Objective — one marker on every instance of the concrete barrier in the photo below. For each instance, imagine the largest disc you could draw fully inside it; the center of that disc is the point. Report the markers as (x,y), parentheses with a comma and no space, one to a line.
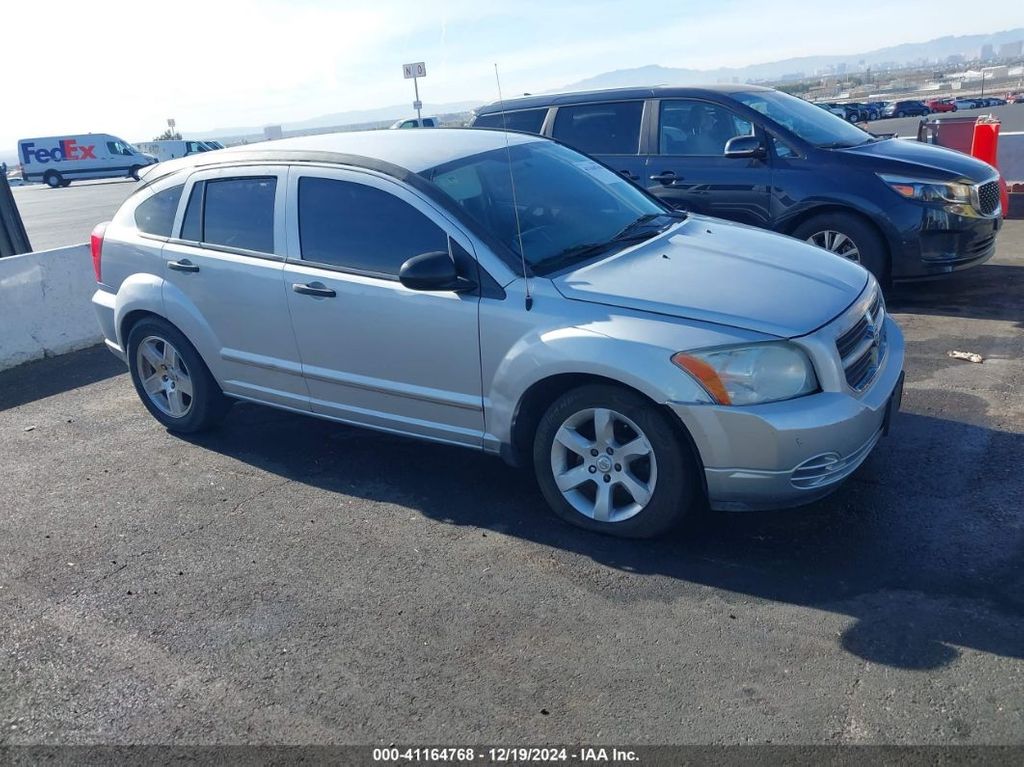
(45,306)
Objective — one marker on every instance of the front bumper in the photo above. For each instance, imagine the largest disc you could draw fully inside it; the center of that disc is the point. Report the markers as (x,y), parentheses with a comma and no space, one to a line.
(938,242)
(790,453)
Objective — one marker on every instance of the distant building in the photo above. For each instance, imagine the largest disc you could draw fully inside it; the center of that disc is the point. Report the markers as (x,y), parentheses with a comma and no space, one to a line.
(987,53)
(1011,50)
(272,132)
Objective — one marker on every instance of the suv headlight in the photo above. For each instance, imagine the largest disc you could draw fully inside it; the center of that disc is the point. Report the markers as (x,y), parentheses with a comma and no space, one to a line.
(929,191)
(749,375)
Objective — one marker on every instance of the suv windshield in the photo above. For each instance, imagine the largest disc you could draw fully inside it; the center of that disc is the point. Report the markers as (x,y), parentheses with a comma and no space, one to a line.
(811,123)
(569,207)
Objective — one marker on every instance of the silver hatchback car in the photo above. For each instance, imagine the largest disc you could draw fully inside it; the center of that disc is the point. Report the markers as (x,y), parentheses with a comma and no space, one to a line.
(505,293)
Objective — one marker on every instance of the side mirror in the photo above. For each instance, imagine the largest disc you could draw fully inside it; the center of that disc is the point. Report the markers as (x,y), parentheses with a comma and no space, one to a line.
(433,271)
(740,147)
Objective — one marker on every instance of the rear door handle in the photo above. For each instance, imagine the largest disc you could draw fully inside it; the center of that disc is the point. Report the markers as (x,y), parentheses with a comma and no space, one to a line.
(182,266)
(317,289)
(667,177)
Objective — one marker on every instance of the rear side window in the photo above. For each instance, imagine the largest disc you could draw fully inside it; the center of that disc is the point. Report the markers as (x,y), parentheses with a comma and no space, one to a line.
(529,120)
(361,228)
(233,212)
(601,128)
(156,215)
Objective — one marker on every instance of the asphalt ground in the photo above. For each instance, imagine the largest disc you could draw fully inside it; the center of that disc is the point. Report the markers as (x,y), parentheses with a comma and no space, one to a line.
(55,218)
(288,580)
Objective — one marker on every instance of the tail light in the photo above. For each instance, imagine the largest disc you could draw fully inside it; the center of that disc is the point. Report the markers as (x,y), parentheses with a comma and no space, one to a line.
(96,242)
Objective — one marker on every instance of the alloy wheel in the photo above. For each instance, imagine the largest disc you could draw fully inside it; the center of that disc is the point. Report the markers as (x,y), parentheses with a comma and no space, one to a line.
(837,243)
(603,465)
(164,376)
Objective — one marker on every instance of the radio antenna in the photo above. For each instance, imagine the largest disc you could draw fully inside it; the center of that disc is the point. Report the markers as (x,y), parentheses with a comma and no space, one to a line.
(515,202)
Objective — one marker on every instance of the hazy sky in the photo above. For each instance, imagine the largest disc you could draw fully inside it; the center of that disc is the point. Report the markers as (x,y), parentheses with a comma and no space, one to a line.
(124,67)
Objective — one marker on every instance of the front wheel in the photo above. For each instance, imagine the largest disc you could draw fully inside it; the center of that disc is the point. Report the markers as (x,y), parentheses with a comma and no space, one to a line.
(134,172)
(608,460)
(849,236)
(171,378)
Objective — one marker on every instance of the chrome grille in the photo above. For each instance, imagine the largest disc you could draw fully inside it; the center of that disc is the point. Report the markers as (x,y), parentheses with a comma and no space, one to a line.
(988,197)
(862,347)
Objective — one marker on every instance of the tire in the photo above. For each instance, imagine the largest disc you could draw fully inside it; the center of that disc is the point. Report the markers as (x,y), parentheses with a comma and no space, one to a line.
(203,407)
(52,179)
(134,172)
(65,183)
(901,114)
(872,252)
(667,471)
(955,107)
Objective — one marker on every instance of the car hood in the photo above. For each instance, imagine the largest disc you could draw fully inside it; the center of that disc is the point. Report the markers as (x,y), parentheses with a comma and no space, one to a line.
(709,270)
(926,159)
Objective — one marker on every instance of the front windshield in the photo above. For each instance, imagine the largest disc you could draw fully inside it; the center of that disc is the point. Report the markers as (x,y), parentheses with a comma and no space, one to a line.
(810,122)
(567,203)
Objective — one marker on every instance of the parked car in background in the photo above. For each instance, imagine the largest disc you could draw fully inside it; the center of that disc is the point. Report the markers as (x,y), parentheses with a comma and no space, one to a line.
(413,122)
(962,103)
(905,109)
(941,105)
(863,112)
(762,157)
(643,361)
(835,109)
(59,160)
(995,101)
(1018,99)
(170,149)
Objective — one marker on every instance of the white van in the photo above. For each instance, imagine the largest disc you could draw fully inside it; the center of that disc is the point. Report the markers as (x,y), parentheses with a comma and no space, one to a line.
(59,160)
(171,149)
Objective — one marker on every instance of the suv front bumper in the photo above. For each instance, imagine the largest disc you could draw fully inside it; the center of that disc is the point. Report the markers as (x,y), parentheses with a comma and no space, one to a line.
(790,453)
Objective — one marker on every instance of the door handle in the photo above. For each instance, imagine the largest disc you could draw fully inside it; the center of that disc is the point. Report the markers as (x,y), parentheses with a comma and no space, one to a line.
(317,289)
(182,266)
(668,177)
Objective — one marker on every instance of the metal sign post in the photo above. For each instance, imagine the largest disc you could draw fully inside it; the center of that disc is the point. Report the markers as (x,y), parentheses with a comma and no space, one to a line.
(414,72)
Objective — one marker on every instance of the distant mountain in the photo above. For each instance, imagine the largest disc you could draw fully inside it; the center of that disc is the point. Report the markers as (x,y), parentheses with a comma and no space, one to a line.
(340,119)
(967,46)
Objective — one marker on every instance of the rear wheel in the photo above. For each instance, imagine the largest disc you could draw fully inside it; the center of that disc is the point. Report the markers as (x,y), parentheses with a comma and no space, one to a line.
(901,113)
(608,460)
(53,179)
(849,236)
(171,378)
(134,172)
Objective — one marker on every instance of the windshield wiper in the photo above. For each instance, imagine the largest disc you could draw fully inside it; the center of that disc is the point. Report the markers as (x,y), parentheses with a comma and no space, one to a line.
(570,255)
(630,233)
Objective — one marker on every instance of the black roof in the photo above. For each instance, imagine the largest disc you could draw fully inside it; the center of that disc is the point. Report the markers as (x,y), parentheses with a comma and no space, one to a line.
(618,94)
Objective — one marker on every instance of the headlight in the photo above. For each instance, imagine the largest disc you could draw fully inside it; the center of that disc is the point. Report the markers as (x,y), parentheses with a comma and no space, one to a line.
(929,191)
(748,375)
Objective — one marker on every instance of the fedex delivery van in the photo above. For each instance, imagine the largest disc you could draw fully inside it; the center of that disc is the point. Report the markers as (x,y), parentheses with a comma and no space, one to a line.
(59,160)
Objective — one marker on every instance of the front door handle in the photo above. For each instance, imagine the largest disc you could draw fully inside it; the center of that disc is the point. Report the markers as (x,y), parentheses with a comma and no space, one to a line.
(182,266)
(668,177)
(317,289)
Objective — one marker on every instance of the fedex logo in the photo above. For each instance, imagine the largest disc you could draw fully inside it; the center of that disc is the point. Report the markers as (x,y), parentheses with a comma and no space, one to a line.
(66,149)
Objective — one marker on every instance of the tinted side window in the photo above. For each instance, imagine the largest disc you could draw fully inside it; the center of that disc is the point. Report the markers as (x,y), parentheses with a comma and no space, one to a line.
(697,128)
(239,213)
(358,227)
(156,215)
(191,227)
(601,128)
(530,120)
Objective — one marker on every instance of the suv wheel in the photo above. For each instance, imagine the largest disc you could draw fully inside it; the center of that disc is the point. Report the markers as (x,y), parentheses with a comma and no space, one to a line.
(848,236)
(171,378)
(53,179)
(901,113)
(608,460)
(134,172)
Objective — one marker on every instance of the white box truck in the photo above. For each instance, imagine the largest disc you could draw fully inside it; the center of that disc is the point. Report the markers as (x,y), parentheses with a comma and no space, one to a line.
(169,149)
(59,160)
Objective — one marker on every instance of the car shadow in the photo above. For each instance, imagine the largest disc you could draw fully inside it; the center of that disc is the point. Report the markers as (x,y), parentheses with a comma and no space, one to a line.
(46,377)
(921,548)
(988,292)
